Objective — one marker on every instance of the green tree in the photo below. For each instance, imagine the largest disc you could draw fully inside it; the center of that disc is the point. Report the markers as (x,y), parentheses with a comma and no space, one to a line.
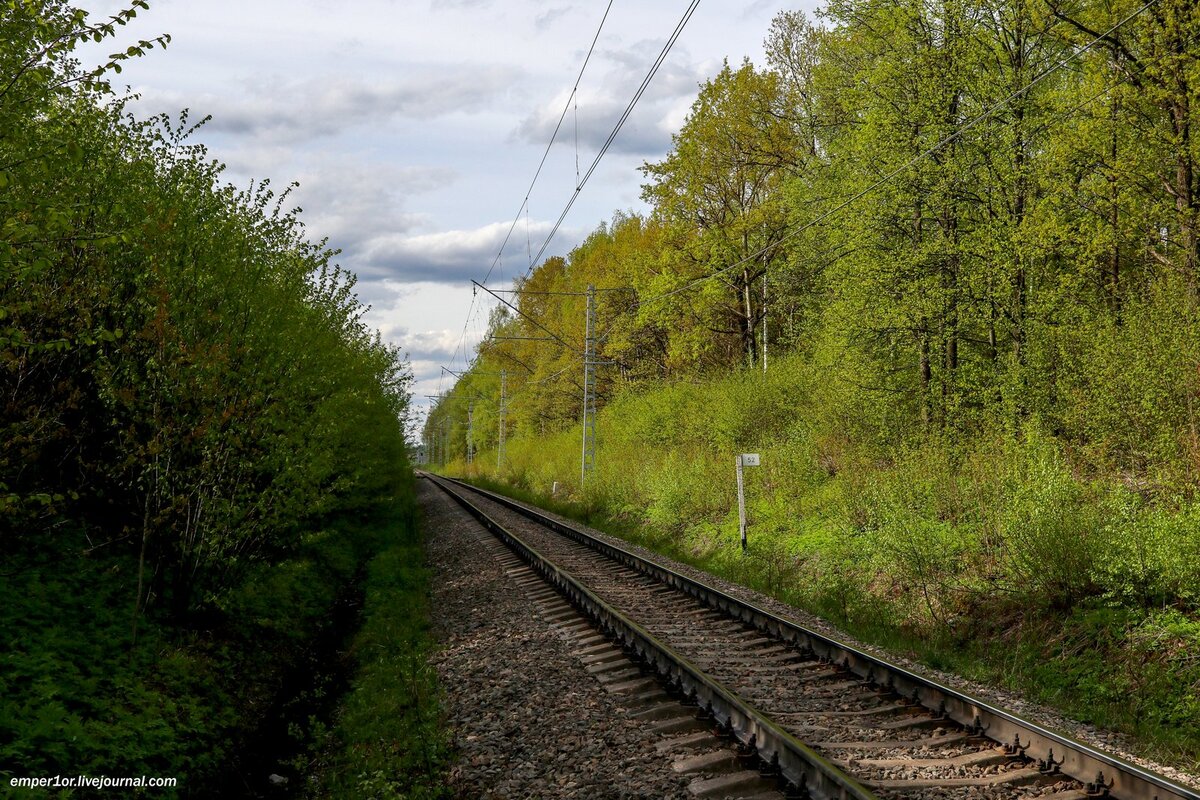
(718,190)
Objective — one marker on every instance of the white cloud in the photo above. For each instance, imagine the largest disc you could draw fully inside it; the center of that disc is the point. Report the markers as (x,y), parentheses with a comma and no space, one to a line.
(759,9)
(437,5)
(353,202)
(432,346)
(551,16)
(424,320)
(455,256)
(290,111)
(599,105)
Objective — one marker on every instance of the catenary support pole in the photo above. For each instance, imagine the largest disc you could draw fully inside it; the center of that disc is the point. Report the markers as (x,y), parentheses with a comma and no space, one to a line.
(588,460)
(471,431)
(503,412)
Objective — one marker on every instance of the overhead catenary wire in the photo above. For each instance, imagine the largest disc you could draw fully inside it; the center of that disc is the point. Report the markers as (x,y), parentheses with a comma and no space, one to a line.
(537,173)
(572,98)
(553,335)
(658,62)
(535,292)
(616,129)
(581,182)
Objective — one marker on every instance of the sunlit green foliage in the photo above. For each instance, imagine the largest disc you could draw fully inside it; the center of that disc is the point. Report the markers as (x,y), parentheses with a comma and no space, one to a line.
(966,234)
(994,548)
(188,394)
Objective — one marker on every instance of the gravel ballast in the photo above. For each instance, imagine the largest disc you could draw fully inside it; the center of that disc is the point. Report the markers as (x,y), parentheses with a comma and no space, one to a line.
(526,718)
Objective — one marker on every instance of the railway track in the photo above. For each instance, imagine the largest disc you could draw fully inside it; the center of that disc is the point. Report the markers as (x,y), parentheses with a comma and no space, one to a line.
(823,718)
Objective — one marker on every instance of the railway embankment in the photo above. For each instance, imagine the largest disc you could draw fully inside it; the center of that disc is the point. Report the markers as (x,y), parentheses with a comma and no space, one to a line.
(1065,668)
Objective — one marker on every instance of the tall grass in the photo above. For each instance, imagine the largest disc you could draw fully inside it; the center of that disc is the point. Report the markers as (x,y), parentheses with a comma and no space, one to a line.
(388,741)
(959,547)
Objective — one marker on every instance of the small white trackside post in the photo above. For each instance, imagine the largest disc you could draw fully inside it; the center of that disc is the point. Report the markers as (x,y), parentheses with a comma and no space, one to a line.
(744,460)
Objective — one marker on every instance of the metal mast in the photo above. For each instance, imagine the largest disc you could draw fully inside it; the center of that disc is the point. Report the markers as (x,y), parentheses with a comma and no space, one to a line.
(588,418)
(470,431)
(503,411)
(589,387)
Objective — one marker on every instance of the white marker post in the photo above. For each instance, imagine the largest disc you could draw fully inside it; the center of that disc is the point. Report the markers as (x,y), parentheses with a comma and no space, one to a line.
(744,460)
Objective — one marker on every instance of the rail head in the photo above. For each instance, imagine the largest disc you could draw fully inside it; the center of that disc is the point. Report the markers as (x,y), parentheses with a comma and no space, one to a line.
(800,766)
(1051,750)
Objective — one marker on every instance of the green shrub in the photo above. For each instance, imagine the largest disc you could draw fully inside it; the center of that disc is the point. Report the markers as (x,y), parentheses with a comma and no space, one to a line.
(1050,527)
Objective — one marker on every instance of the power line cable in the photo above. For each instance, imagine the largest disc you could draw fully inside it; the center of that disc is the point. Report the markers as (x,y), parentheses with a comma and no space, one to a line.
(566,107)
(658,62)
(537,173)
(683,21)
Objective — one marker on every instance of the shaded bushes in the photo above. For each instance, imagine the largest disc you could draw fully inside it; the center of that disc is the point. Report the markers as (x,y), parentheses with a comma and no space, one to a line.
(191,407)
(79,698)
(387,741)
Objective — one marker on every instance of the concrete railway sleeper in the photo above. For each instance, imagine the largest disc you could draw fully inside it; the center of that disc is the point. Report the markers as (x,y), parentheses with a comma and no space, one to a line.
(813,708)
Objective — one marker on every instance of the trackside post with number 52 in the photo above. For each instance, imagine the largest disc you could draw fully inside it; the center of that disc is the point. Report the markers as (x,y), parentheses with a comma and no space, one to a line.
(744,460)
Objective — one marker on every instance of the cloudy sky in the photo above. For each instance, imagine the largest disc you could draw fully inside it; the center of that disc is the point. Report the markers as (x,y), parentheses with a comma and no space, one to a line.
(414,127)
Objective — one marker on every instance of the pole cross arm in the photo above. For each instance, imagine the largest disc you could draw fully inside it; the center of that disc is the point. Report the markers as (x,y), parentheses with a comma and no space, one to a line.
(553,335)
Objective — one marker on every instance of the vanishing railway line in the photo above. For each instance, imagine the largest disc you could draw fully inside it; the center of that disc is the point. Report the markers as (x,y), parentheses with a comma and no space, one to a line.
(824,718)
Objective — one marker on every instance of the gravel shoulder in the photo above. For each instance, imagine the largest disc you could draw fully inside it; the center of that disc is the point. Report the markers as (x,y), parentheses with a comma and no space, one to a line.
(526,719)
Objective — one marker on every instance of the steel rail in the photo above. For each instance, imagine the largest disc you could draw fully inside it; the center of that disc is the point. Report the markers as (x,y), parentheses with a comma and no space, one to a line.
(806,772)
(1102,774)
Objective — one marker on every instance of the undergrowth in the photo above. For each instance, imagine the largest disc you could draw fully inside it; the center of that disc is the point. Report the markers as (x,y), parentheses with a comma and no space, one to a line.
(990,553)
(78,696)
(387,742)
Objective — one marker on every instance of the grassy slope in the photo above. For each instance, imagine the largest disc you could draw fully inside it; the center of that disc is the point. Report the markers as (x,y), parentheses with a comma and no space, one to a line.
(994,559)
(77,698)
(387,741)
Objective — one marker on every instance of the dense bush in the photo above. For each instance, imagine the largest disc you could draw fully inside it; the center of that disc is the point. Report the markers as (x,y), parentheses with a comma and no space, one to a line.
(192,412)
(182,368)
(79,698)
